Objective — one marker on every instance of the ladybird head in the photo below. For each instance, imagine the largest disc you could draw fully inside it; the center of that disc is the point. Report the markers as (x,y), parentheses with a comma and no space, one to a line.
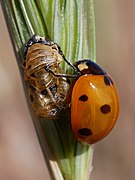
(88,67)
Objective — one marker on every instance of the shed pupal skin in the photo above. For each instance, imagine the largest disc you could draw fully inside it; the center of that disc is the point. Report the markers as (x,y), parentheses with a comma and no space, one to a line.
(48,84)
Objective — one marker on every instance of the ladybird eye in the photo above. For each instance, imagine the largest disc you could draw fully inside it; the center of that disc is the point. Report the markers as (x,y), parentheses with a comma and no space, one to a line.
(85,132)
(105,109)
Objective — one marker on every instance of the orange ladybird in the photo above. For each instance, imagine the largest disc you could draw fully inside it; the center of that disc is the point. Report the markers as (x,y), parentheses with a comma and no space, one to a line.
(95,103)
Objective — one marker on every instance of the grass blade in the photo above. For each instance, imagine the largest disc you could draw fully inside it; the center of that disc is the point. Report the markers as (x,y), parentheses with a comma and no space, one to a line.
(71,24)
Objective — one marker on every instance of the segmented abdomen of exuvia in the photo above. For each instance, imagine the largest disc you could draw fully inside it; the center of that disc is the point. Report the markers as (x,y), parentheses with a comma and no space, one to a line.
(39,56)
(47,92)
(49,102)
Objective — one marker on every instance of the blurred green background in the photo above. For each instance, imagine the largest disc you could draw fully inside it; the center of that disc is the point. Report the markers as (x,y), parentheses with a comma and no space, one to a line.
(20,154)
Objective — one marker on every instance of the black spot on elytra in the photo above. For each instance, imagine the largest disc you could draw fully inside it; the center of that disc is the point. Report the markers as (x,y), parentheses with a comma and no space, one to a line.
(105,109)
(44,92)
(31,98)
(83,98)
(85,132)
(108,81)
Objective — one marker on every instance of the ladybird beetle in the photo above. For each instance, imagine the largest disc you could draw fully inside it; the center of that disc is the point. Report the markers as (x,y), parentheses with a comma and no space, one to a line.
(48,86)
(94,104)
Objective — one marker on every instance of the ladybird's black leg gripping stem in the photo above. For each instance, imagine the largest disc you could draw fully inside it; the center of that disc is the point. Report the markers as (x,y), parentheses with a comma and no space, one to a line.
(74,68)
(61,53)
(47,68)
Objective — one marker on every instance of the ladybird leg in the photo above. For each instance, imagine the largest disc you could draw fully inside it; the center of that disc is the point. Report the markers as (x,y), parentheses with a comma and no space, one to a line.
(73,67)
(61,53)
(60,75)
